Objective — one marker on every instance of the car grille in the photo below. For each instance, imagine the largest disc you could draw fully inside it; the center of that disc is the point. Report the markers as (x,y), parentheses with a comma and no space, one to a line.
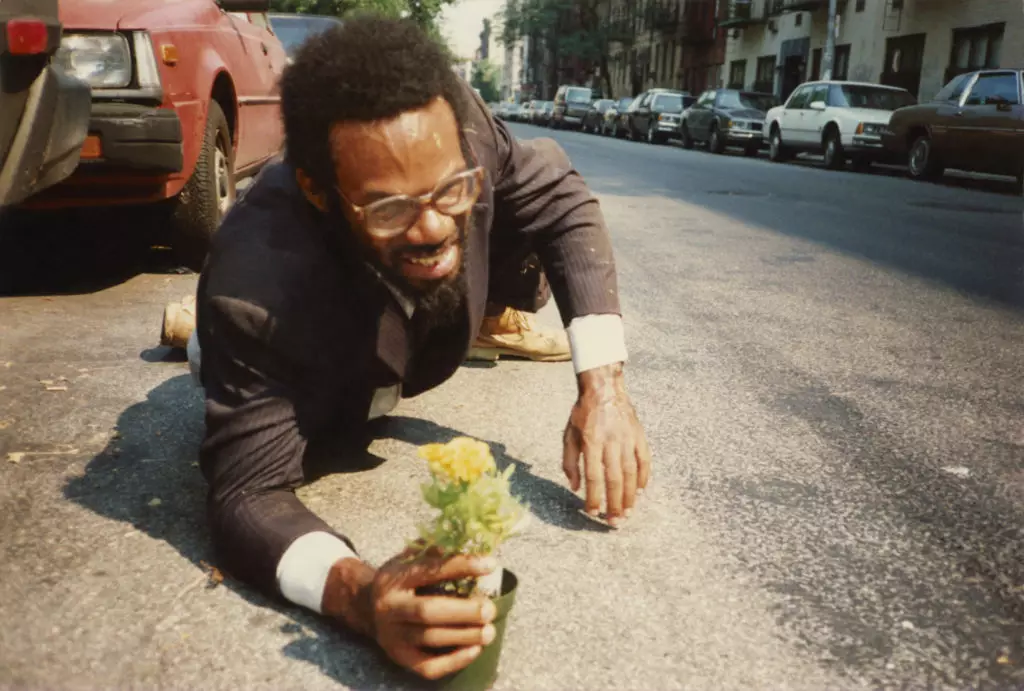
(757,126)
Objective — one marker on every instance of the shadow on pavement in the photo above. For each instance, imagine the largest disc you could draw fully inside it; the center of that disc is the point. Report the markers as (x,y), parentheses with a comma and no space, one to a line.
(153,456)
(78,250)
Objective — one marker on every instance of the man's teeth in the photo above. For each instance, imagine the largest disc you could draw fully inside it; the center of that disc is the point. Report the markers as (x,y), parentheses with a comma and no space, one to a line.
(429,260)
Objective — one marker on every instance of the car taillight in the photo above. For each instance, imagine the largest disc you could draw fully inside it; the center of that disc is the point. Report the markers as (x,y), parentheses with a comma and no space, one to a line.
(26,37)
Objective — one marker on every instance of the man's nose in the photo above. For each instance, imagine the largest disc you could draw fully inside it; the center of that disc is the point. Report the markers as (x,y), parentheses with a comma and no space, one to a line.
(431,228)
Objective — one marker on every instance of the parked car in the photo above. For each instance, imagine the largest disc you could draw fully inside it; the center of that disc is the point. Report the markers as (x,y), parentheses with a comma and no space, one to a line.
(727,117)
(526,112)
(185,102)
(294,29)
(44,114)
(571,104)
(542,115)
(613,117)
(593,119)
(656,114)
(975,123)
(839,119)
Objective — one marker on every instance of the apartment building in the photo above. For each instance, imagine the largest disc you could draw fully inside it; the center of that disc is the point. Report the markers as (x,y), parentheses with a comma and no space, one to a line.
(664,43)
(774,45)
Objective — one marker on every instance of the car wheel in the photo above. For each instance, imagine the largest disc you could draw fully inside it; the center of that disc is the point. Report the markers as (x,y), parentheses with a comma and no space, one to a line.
(685,136)
(197,211)
(750,151)
(923,164)
(776,149)
(716,144)
(652,137)
(835,159)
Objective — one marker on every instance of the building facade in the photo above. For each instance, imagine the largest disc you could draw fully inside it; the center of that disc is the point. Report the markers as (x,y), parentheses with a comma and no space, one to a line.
(774,45)
(673,44)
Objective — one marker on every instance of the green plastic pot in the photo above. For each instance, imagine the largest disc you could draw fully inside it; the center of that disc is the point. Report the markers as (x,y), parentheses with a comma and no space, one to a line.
(482,672)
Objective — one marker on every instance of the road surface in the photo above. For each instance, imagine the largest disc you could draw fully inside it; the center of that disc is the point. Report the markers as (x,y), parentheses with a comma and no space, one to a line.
(828,366)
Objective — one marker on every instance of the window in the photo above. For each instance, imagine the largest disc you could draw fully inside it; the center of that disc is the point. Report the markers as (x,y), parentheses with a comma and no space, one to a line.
(954,89)
(859,7)
(817,93)
(994,89)
(668,103)
(765,76)
(799,20)
(737,74)
(875,98)
(707,98)
(799,98)
(744,99)
(841,62)
(975,48)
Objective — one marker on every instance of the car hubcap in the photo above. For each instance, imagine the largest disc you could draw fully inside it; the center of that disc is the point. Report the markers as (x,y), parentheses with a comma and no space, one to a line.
(919,158)
(225,195)
(830,151)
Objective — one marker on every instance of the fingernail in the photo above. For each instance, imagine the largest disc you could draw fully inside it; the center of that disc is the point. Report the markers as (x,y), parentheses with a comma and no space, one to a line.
(489,633)
(488,611)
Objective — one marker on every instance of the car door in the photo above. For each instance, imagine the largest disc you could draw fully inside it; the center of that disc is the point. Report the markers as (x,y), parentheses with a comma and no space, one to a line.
(988,126)
(791,121)
(641,115)
(814,120)
(703,115)
(272,60)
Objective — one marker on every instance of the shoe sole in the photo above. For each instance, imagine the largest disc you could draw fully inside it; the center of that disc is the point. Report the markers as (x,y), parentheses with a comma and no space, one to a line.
(494,354)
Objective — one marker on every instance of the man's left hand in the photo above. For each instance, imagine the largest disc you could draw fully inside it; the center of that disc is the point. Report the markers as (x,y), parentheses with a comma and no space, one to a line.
(604,428)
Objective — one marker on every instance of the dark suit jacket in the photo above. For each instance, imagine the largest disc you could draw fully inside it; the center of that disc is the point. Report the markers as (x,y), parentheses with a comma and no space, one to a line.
(296,336)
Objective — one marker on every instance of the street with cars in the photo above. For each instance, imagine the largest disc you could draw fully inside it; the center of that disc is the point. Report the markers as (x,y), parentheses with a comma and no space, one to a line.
(827,364)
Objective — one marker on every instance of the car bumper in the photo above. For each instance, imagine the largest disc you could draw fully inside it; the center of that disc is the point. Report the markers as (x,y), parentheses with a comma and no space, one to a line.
(744,137)
(668,128)
(870,147)
(135,138)
(48,143)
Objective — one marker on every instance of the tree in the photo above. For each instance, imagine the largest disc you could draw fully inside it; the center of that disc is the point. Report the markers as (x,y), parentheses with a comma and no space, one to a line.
(485,78)
(567,28)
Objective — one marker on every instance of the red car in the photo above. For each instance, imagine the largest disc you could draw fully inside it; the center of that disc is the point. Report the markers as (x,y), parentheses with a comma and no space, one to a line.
(184,103)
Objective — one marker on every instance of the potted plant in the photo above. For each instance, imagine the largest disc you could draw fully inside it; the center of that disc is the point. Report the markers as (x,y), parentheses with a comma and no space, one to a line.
(476,513)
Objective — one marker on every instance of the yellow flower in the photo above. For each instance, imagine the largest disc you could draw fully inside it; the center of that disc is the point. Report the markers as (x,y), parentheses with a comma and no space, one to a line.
(460,460)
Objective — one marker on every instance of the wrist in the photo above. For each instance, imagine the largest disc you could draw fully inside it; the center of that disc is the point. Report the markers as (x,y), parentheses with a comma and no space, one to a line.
(347,595)
(600,382)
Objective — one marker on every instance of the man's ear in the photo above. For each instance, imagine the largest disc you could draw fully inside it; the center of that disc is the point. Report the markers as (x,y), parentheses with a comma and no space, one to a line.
(310,190)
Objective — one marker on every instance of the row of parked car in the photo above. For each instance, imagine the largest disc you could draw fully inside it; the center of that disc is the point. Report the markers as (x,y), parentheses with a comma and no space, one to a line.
(975,123)
(144,103)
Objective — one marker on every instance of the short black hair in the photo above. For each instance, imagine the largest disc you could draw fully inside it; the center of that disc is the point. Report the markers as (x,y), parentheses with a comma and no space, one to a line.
(368,69)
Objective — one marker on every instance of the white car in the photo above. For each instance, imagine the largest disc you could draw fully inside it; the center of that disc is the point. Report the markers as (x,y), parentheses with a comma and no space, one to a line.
(841,120)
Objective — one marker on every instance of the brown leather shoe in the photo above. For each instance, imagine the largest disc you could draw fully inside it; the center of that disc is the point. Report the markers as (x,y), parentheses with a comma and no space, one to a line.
(517,334)
(179,322)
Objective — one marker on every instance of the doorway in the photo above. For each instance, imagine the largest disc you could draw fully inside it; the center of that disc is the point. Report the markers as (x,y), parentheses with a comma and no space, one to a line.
(904,56)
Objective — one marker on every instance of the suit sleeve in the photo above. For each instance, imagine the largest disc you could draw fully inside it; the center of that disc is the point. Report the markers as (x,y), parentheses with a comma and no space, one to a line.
(254,445)
(538,192)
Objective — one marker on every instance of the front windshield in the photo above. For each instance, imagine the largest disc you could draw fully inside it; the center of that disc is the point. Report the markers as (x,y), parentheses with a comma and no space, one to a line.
(742,99)
(624,103)
(293,31)
(858,96)
(578,95)
(669,103)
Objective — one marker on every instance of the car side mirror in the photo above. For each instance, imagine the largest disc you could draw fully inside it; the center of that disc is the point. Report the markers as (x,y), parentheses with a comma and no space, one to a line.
(817,105)
(1004,106)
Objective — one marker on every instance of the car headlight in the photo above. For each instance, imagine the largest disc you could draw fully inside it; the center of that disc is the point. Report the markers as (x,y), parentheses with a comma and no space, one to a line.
(103,61)
(870,128)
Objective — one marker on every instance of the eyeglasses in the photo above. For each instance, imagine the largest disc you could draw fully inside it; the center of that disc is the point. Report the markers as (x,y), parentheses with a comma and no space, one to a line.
(391,216)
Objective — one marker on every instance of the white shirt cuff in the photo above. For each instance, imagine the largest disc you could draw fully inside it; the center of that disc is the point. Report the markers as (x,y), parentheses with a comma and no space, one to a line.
(596,340)
(304,566)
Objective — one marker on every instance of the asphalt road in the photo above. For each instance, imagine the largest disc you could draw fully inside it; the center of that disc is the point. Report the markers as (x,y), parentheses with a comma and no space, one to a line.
(828,368)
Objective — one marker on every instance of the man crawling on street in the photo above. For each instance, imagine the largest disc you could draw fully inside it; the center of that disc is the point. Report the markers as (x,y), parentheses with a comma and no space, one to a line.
(405,230)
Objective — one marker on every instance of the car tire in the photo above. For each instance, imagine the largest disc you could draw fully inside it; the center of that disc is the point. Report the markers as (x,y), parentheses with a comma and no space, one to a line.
(835,157)
(196,213)
(777,151)
(652,136)
(751,151)
(716,144)
(922,163)
(684,134)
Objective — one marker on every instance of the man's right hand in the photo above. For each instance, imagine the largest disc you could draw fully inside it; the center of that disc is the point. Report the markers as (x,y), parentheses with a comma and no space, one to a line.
(407,625)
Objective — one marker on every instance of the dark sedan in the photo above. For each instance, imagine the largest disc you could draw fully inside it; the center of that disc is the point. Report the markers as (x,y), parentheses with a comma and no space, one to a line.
(593,121)
(727,117)
(975,123)
(611,124)
(655,115)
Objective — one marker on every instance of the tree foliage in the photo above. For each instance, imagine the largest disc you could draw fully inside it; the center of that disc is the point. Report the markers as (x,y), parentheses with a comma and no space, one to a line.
(566,28)
(485,78)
